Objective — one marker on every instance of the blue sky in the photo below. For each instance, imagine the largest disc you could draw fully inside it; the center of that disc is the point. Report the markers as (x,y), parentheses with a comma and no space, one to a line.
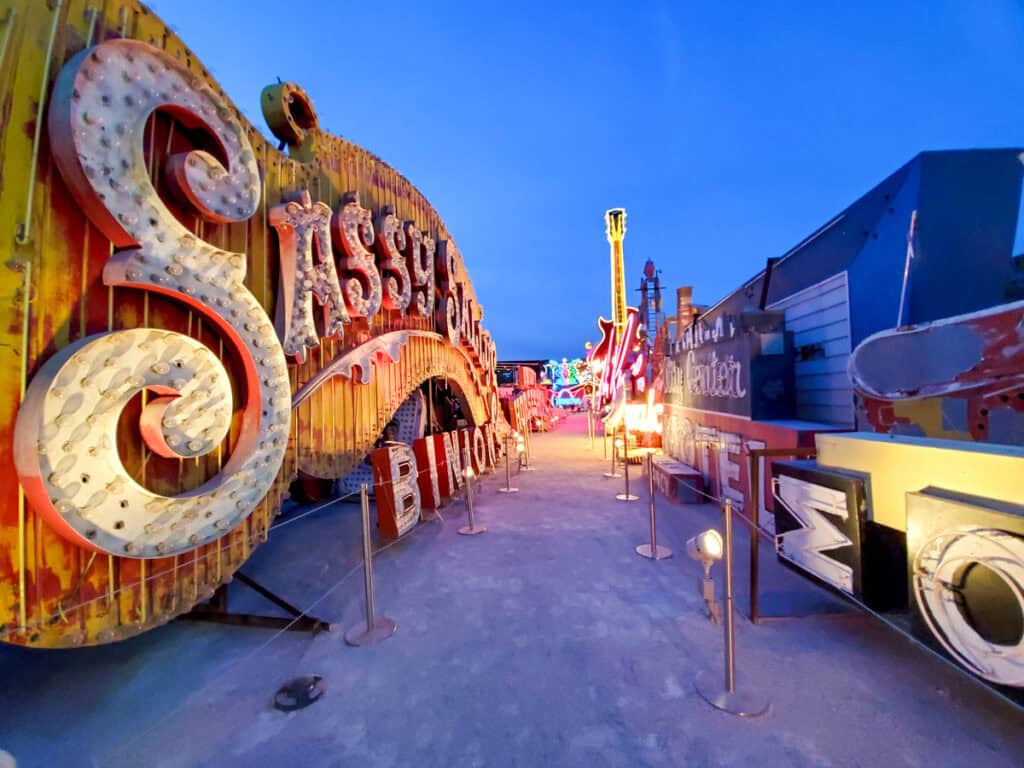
(728,130)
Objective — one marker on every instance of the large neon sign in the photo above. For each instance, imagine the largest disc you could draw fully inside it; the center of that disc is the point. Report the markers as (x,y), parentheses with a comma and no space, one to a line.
(234,316)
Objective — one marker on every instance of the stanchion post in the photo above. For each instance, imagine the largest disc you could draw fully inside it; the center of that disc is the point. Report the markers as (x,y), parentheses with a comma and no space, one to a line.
(726,697)
(652,551)
(376,628)
(755,544)
(730,636)
(471,529)
(527,441)
(508,470)
(613,473)
(626,495)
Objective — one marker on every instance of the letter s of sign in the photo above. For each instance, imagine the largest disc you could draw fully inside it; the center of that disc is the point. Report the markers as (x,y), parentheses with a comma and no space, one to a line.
(447,317)
(394,271)
(65,436)
(419,258)
(352,231)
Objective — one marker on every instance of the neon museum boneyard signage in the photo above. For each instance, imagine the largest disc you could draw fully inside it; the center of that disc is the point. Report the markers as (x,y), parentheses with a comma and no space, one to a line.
(227,396)
(703,373)
(712,377)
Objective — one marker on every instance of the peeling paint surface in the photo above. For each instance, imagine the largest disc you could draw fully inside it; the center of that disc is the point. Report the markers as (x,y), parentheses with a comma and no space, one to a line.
(959,378)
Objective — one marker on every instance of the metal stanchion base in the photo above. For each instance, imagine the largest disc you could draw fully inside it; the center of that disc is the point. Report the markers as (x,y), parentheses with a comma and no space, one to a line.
(467,531)
(741,703)
(613,474)
(508,490)
(660,552)
(626,497)
(360,635)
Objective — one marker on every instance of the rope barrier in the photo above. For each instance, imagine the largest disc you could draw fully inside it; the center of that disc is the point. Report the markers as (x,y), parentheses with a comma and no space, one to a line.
(62,613)
(721,500)
(232,665)
(864,607)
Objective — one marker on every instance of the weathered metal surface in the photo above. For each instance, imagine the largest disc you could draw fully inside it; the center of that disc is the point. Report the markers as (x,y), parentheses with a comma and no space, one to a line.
(959,378)
(134,196)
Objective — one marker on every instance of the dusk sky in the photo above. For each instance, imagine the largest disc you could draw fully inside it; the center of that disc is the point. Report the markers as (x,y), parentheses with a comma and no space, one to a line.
(728,131)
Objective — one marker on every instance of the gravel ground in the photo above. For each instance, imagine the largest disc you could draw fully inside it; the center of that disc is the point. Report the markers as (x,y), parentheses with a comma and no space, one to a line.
(544,642)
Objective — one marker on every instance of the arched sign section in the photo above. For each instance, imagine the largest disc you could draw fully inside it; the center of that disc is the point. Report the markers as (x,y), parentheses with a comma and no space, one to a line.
(198,317)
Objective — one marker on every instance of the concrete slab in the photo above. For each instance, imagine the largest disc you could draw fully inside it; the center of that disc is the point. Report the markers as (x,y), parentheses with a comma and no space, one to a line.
(544,642)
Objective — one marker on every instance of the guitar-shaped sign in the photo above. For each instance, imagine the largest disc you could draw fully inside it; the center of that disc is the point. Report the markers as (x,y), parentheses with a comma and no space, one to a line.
(620,337)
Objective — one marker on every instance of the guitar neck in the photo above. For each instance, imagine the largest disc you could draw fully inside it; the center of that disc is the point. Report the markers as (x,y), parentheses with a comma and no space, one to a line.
(615,229)
(618,287)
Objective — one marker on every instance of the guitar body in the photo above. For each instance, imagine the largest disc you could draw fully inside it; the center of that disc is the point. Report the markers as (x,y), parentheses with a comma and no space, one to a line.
(616,350)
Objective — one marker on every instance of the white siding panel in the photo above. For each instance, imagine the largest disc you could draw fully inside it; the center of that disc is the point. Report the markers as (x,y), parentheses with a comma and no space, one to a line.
(834,314)
(823,365)
(822,332)
(819,317)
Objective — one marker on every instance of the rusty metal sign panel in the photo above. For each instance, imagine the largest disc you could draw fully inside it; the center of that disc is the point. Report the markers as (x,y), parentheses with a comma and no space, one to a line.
(191,319)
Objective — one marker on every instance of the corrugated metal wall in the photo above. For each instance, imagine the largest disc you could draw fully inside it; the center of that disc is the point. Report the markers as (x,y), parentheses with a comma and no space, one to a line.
(819,317)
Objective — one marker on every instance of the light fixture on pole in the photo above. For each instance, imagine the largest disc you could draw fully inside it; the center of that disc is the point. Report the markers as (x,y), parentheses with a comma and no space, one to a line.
(520,451)
(706,548)
(725,697)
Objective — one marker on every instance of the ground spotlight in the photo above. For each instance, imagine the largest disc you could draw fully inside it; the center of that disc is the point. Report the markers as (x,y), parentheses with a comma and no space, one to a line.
(706,548)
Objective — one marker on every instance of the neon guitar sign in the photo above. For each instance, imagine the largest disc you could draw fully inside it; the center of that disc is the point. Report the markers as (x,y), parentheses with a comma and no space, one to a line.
(620,336)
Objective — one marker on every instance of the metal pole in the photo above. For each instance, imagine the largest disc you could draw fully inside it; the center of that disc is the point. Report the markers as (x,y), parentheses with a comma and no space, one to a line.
(526,467)
(625,458)
(627,496)
(652,550)
(906,266)
(730,638)
(508,470)
(650,502)
(430,406)
(755,544)
(613,473)
(374,629)
(726,697)
(471,529)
